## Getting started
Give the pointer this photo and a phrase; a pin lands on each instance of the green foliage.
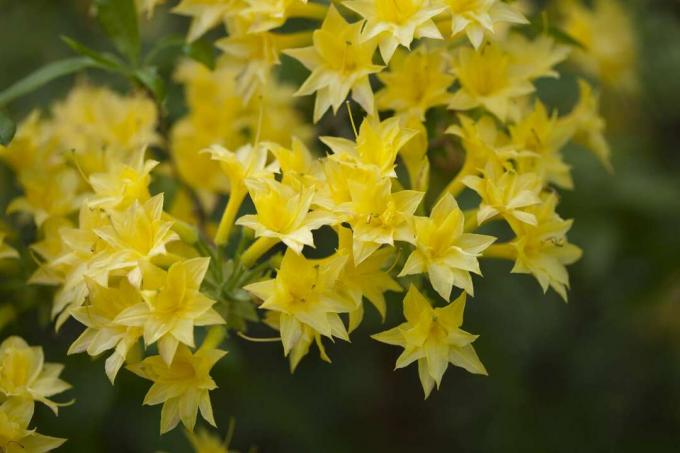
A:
(7, 129)
(118, 18)
(44, 75)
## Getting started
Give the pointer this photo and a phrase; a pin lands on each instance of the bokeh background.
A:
(601, 373)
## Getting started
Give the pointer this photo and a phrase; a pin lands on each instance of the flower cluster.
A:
(158, 276)
(25, 378)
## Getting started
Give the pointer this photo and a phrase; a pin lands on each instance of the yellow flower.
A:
(543, 250)
(296, 162)
(378, 216)
(534, 58)
(202, 441)
(304, 294)
(543, 136)
(483, 142)
(367, 279)
(487, 80)
(608, 37)
(247, 162)
(5, 250)
(205, 14)
(25, 374)
(102, 333)
(396, 22)
(15, 437)
(444, 250)
(32, 146)
(506, 193)
(48, 193)
(182, 386)
(479, 18)
(93, 120)
(265, 15)
(122, 183)
(588, 125)
(252, 56)
(376, 145)
(340, 61)
(417, 81)
(301, 347)
(168, 314)
(138, 234)
(433, 337)
(283, 213)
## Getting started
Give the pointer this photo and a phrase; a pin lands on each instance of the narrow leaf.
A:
(119, 20)
(201, 51)
(44, 75)
(152, 81)
(105, 60)
(7, 129)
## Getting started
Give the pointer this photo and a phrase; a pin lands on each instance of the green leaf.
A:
(201, 51)
(119, 20)
(7, 129)
(152, 81)
(105, 60)
(44, 75)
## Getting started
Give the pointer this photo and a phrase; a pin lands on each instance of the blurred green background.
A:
(601, 373)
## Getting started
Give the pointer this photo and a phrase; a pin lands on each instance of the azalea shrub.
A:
(323, 160)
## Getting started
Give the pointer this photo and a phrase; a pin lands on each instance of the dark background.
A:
(601, 373)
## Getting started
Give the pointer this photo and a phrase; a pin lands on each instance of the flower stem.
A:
(233, 205)
(291, 40)
(470, 220)
(504, 251)
(308, 10)
(257, 249)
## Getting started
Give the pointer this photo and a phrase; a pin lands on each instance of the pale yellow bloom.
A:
(340, 61)
(433, 337)
(15, 436)
(369, 279)
(480, 18)
(205, 14)
(396, 22)
(122, 183)
(378, 216)
(376, 147)
(138, 234)
(416, 82)
(588, 125)
(283, 213)
(49, 193)
(444, 250)
(169, 313)
(487, 80)
(93, 120)
(505, 193)
(607, 34)
(182, 386)
(24, 374)
(543, 136)
(102, 333)
(543, 250)
(304, 294)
